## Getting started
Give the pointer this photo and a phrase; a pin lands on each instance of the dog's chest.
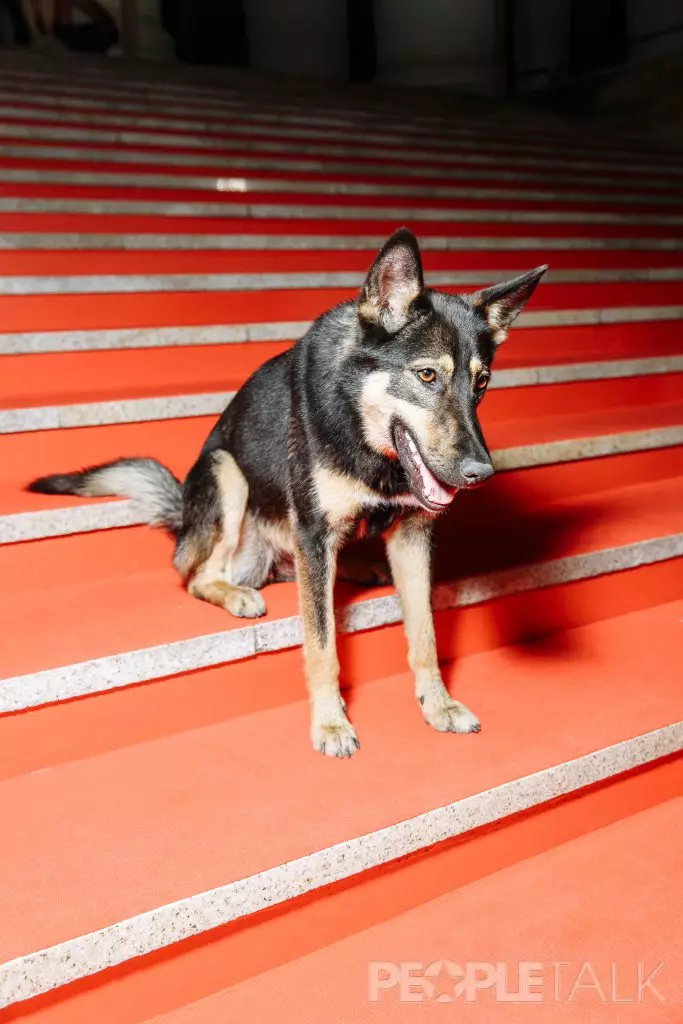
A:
(346, 501)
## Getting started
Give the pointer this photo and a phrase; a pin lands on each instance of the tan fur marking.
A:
(331, 731)
(376, 412)
(476, 366)
(408, 548)
(403, 293)
(379, 408)
(409, 551)
(212, 580)
(341, 497)
(193, 553)
(234, 491)
(278, 535)
(242, 602)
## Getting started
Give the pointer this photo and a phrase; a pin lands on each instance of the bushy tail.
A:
(153, 487)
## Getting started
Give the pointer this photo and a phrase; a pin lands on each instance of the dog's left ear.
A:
(502, 303)
(394, 282)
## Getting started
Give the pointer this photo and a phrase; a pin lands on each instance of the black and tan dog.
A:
(369, 424)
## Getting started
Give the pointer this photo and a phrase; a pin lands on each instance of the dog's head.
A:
(426, 360)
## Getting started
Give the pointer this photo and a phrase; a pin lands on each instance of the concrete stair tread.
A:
(98, 595)
(602, 899)
(163, 820)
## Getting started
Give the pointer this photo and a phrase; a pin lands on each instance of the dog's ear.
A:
(503, 302)
(394, 282)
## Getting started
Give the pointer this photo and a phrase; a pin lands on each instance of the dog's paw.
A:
(335, 739)
(245, 603)
(450, 716)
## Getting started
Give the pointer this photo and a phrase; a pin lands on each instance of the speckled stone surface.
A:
(79, 957)
(452, 151)
(219, 334)
(105, 515)
(127, 668)
(446, 140)
(224, 108)
(132, 410)
(153, 242)
(231, 108)
(241, 184)
(392, 215)
(311, 164)
(59, 522)
(525, 456)
(149, 337)
(606, 370)
(288, 126)
(108, 284)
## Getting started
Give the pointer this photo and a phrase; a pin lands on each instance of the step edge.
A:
(18, 527)
(216, 283)
(17, 122)
(259, 211)
(55, 966)
(177, 242)
(31, 419)
(30, 342)
(117, 671)
(243, 119)
(246, 184)
(55, 149)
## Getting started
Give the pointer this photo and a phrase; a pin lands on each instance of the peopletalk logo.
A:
(522, 981)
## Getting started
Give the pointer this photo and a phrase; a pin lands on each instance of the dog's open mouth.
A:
(429, 491)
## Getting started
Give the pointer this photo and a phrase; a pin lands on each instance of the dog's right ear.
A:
(394, 282)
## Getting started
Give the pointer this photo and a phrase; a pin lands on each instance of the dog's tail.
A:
(154, 488)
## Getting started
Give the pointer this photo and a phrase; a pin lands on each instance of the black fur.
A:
(304, 409)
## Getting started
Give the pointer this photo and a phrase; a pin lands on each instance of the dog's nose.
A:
(474, 472)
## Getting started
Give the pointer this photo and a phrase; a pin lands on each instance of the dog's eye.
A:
(482, 381)
(427, 376)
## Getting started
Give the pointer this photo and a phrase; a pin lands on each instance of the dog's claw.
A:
(451, 716)
(335, 740)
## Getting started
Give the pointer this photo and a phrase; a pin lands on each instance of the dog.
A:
(366, 427)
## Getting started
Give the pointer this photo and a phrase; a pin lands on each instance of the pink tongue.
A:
(433, 489)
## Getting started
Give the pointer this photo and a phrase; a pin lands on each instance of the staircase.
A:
(172, 848)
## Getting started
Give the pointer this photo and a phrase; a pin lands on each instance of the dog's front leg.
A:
(409, 551)
(316, 563)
